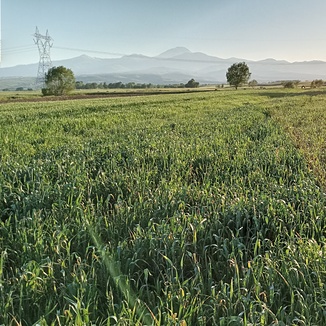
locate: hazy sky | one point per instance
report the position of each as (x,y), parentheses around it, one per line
(293,30)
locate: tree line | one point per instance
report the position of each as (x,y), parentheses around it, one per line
(61,80)
(121,85)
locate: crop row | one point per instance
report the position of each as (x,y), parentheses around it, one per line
(192,209)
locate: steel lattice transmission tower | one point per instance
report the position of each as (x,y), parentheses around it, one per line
(44,43)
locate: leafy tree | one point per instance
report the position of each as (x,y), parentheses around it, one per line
(238,74)
(79,85)
(253,83)
(288,84)
(192,84)
(59,81)
(317,83)
(291,83)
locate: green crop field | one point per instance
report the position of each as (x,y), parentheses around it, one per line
(185,209)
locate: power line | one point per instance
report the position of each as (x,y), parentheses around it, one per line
(18,49)
(213,60)
(89,51)
(28,48)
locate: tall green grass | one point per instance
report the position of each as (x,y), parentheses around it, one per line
(192,209)
(304,118)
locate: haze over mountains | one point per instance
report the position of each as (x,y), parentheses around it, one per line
(176,65)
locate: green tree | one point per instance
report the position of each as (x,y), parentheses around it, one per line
(192,84)
(238,74)
(317,83)
(253,83)
(59,81)
(79,85)
(290,84)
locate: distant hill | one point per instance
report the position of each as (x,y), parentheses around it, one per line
(176,65)
(12,83)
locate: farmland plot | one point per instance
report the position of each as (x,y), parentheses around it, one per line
(193,209)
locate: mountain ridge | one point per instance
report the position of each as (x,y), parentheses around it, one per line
(178,64)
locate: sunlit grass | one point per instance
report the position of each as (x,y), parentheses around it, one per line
(192,209)
(304,118)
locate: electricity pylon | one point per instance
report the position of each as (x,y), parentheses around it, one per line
(44,43)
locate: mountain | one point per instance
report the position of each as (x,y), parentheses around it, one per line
(173,52)
(177,65)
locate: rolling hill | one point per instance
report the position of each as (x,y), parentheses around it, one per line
(176,65)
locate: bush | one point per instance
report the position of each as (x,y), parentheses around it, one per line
(317,83)
(288,84)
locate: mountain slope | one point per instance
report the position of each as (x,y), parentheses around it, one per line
(173,52)
(174,66)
